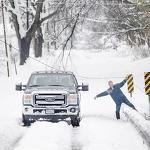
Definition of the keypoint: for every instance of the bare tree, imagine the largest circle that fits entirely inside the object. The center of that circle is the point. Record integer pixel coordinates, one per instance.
(58, 29)
(25, 36)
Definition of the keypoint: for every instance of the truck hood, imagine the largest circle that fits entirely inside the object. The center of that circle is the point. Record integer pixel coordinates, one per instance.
(50, 89)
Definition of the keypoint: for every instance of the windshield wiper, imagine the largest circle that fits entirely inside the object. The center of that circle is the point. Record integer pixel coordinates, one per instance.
(55, 85)
(35, 85)
(44, 85)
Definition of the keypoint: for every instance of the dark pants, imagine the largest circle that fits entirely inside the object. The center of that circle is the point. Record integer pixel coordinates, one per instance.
(118, 106)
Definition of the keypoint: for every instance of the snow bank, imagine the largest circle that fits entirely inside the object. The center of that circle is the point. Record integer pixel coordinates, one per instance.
(140, 123)
(10, 112)
(10, 133)
(46, 136)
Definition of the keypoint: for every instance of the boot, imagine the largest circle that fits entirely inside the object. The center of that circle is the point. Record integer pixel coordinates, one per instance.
(117, 115)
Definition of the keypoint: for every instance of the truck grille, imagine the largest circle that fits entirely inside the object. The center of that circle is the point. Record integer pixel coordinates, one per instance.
(50, 99)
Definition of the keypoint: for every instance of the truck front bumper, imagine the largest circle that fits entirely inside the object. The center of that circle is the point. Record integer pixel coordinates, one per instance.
(52, 118)
(51, 114)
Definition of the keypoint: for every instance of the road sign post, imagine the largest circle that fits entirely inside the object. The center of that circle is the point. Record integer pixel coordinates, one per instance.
(149, 103)
(147, 86)
(130, 84)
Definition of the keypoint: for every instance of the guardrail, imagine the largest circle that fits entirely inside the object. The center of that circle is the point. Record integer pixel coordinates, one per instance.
(140, 123)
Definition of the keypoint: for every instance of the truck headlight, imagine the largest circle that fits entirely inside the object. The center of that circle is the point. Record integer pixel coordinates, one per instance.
(27, 99)
(73, 99)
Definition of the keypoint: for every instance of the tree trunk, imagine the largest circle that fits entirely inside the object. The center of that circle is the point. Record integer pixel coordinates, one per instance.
(24, 49)
(24, 43)
(38, 42)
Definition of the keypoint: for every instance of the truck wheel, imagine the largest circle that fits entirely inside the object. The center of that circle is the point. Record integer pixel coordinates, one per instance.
(75, 122)
(25, 121)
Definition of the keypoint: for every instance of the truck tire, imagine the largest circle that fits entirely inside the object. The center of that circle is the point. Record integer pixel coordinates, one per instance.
(75, 122)
(25, 121)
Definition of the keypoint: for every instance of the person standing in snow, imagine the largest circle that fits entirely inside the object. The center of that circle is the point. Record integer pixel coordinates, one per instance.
(117, 95)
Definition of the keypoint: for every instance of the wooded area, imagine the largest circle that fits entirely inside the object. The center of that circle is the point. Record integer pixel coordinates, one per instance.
(56, 24)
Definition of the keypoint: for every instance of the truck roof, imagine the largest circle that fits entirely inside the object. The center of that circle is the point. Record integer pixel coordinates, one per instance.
(52, 72)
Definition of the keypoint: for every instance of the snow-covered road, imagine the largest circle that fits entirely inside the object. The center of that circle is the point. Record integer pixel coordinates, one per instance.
(98, 130)
(95, 132)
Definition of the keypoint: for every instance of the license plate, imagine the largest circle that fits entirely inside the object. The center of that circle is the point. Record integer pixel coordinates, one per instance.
(49, 111)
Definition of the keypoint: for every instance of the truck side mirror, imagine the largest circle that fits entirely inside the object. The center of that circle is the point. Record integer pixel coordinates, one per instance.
(85, 87)
(19, 87)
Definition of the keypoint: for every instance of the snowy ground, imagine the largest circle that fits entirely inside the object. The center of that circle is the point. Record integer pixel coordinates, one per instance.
(95, 132)
(99, 129)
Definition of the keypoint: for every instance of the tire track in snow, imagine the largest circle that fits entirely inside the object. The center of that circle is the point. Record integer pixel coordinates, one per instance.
(76, 144)
(62, 134)
(46, 136)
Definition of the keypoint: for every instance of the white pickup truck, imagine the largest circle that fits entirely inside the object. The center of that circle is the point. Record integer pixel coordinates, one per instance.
(51, 96)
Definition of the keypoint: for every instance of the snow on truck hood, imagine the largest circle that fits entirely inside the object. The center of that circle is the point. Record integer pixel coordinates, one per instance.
(51, 89)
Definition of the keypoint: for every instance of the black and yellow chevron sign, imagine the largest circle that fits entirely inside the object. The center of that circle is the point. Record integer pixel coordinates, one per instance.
(147, 82)
(130, 83)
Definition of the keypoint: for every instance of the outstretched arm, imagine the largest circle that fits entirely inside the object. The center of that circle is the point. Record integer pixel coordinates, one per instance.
(121, 84)
(102, 94)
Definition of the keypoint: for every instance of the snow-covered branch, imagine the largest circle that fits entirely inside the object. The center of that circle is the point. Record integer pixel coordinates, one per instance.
(52, 14)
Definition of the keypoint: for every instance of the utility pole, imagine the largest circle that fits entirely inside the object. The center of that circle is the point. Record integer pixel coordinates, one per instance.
(27, 7)
(4, 28)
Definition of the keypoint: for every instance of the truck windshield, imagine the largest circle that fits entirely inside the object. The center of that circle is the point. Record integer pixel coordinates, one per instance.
(51, 80)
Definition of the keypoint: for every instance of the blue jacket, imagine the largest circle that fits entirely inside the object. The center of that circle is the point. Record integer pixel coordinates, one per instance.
(116, 93)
